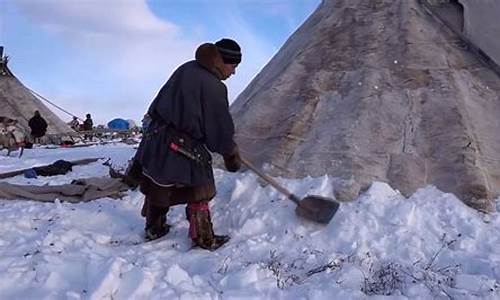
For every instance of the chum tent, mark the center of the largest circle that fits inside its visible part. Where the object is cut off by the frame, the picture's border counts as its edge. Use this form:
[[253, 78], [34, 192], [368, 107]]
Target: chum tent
[[18, 103], [378, 91]]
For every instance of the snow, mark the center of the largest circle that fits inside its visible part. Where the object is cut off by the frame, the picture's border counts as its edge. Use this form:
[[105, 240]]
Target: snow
[[429, 245]]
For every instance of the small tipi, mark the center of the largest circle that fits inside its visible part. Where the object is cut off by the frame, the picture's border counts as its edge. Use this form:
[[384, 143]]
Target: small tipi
[[17, 102], [378, 90]]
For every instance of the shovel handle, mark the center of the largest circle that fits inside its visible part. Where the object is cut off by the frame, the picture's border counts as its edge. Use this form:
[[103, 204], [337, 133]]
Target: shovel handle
[[271, 181]]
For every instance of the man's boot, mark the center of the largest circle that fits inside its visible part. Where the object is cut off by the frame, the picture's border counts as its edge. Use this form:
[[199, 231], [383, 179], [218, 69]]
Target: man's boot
[[156, 217], [201, 229], [156, 231]]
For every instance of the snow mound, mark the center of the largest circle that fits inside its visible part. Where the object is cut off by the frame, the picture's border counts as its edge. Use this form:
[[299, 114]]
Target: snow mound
[[428, 245]]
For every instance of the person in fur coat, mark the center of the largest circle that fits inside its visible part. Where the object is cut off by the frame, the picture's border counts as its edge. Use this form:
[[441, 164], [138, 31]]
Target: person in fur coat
[[190, 120]]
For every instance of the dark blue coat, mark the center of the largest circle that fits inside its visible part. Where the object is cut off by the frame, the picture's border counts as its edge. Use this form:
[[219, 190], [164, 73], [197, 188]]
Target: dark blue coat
[[194, 102], [38, 126]]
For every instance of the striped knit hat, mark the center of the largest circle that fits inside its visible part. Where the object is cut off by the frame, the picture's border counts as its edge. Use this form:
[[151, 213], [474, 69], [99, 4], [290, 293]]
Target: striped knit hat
[[229, 50]]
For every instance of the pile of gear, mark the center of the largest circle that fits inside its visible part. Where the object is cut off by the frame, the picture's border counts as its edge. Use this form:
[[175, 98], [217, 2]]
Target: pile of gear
[[12, 136]]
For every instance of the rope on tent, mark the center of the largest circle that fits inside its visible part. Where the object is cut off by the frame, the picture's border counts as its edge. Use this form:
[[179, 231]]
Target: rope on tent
[[53, 104]]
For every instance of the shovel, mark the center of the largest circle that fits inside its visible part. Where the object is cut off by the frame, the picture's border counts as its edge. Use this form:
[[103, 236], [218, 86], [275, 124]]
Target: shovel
[[315, 208]]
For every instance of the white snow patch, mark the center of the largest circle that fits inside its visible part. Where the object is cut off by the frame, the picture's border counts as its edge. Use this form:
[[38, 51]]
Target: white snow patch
[[429, 245]]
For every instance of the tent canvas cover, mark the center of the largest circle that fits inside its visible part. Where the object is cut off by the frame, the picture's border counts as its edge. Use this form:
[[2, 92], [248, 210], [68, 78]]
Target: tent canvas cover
[[378, 90]]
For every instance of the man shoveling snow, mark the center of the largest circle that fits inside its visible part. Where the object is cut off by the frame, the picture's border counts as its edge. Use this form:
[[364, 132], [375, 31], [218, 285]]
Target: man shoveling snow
[[190, 117]]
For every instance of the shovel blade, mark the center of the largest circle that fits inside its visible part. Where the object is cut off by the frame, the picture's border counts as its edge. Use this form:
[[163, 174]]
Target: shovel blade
[[318, 209]]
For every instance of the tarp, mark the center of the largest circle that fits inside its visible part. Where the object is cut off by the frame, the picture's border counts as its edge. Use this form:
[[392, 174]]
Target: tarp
[[118, 124], [81, 190]]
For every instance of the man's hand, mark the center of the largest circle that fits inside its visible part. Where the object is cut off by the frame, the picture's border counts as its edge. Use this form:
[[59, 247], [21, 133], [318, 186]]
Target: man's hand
[[232, 161]]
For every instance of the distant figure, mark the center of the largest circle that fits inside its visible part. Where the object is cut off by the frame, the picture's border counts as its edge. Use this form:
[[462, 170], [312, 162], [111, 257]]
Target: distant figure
[[38, 126], [74, 124], [88, 125]]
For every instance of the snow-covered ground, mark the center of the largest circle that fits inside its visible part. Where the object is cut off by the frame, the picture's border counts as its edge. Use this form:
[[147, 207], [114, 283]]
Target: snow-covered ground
[[427, 246]]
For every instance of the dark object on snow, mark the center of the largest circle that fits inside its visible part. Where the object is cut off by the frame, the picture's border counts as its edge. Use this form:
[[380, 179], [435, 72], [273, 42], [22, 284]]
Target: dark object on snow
[[74, 163], [59, 167], [315, 208], [30, 173]]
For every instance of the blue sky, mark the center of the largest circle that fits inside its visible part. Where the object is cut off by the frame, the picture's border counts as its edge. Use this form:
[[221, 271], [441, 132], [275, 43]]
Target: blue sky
[[110, 57]]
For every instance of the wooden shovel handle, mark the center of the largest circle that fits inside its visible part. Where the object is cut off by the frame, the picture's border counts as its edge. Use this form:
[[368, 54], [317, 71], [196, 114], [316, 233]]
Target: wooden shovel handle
[[271, 181]]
